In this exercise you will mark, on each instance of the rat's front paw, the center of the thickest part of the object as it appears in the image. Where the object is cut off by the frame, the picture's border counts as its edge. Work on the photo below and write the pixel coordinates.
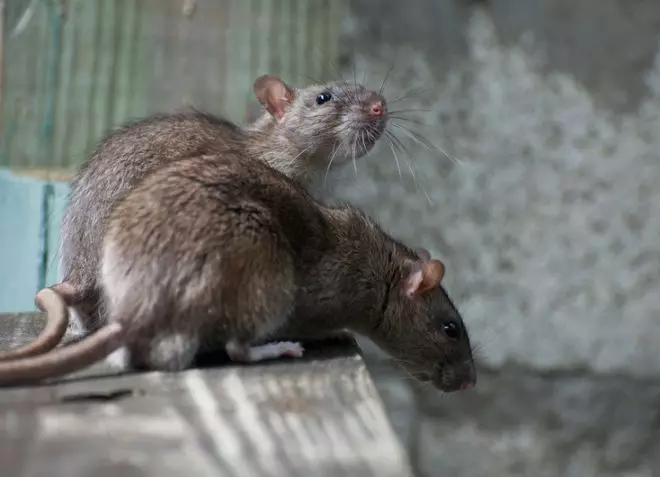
(266, 351)
(276, 350)
(293, 349)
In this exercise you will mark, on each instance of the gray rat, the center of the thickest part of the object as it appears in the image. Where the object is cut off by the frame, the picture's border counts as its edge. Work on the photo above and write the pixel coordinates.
(301, 133)
(221, 250)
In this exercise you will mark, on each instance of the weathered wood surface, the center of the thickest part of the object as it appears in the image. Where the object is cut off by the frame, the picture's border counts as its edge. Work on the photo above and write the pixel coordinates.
(320, 416)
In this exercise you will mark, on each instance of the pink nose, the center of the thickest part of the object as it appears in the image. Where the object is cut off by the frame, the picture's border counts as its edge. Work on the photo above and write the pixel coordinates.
(376, 109)
(467, 385)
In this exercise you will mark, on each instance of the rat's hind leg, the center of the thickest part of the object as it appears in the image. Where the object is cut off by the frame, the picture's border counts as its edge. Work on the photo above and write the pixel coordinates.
(119, 359)
(171, 351)
(259, 299)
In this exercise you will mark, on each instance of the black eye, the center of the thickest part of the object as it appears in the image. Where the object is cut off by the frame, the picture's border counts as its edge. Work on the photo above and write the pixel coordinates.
(323, 97)
(451, 329)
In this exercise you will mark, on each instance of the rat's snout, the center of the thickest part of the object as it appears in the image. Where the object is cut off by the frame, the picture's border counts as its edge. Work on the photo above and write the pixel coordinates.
(376, 106)
(470, 380)
(451, 377)
(363, 123)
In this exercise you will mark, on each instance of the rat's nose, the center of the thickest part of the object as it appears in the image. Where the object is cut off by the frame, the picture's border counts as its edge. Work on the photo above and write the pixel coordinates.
(466, 385)
(471, 380)
(377, 108)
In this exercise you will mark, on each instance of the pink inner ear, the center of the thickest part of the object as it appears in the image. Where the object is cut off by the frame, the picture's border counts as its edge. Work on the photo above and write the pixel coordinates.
(414, 281)
(273, 93)
(277, 106)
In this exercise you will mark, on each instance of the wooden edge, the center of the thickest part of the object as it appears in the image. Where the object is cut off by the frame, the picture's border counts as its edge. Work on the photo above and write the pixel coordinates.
(44, 174)
(320, 415)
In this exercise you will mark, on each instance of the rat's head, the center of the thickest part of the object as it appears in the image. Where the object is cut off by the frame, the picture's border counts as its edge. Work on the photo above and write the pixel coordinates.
(423, 330)
(338, 121)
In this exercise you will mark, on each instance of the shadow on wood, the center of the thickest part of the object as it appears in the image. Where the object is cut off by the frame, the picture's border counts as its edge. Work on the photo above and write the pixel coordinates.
(317, 416)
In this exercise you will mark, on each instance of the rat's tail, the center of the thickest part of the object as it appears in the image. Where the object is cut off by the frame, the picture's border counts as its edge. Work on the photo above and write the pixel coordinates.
(53, 301)
(65, 359)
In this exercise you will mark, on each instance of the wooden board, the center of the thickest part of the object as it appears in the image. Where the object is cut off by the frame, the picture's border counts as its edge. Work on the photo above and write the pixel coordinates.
(319, 416)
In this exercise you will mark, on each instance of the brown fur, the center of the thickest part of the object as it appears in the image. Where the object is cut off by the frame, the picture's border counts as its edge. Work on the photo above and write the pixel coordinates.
(212, 250)
(300, 142)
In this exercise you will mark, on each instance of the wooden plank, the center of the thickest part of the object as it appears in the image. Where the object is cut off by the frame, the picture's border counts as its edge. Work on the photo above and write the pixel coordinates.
(316, 416)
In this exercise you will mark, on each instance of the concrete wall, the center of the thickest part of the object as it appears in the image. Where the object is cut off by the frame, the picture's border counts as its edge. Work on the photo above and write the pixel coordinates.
(548, 220)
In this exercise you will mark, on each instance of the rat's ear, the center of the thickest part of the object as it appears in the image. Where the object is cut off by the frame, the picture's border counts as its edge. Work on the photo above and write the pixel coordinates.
(274, 94)
(422, 277)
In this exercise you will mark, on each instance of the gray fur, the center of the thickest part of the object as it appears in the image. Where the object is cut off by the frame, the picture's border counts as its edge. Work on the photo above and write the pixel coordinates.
(300, 145)
(249, 256)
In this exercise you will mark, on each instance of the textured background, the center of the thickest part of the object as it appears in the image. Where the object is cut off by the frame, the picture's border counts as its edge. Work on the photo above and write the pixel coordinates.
(548, 218)
(548, 221)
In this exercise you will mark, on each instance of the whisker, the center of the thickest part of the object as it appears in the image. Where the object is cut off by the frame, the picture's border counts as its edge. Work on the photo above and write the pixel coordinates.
(421, 140)
(332, 158)
(307, 149)
(401, 361)
(409, 94)
(364, 143)
(485, 341)
(418, 186)
(368, 135)
(375, 134)
(410, 120)
(408, 376)
(400, 144)
(411, 110)
(396, 158)
(387, 75)
(354, 160)
(418, 138)
(355, 83)
(313, 80)
(493, 333)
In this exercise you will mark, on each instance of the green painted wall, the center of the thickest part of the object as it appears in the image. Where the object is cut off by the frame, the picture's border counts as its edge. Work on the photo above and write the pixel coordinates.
(71, 70)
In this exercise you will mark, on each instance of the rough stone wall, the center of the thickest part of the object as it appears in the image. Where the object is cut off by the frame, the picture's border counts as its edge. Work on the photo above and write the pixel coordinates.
(547, 216)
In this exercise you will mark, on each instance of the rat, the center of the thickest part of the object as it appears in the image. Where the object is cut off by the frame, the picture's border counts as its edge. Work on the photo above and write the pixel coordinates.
(222, 251)
(302, 132)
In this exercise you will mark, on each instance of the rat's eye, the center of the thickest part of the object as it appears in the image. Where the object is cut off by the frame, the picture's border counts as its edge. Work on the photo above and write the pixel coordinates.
(323, 97)
(451, 329)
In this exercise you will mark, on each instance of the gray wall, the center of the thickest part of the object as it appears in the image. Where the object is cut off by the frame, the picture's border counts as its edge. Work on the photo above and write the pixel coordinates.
(548, 221)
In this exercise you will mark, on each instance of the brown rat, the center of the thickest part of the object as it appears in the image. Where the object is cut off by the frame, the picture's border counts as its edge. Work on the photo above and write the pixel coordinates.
(223, 251)
(302, 132)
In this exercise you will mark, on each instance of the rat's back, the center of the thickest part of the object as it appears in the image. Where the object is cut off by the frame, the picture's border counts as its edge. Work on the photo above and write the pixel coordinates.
(121, 160)
(200, 201)
(204, 246)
